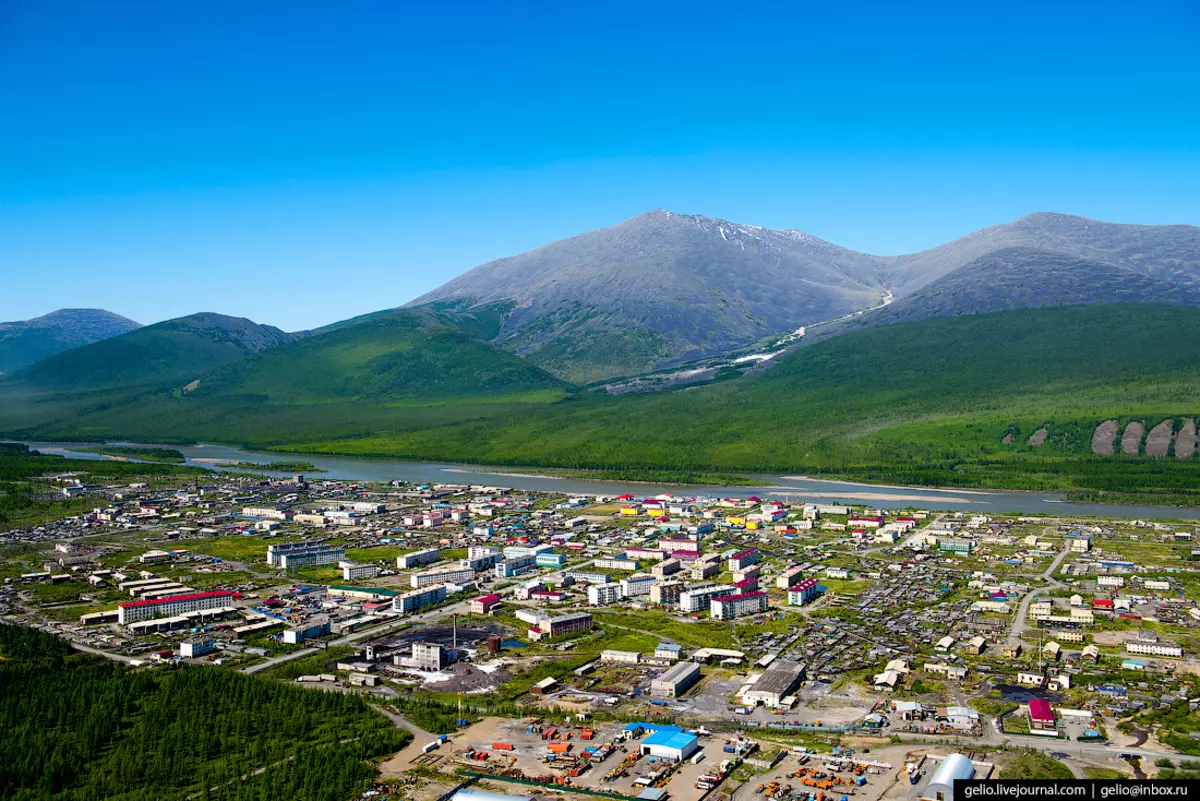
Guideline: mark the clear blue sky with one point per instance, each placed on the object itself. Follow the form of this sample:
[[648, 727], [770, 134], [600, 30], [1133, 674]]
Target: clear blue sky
[[301, 162]]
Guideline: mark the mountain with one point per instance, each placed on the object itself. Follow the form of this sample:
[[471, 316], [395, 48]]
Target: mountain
[[946, 401], [174, 351], [389, 357], [661, 289], [1044, 260], [655, 290], [27, 341], [386, 371]]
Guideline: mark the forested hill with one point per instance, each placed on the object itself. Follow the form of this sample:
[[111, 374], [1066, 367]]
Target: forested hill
[[77, 727]]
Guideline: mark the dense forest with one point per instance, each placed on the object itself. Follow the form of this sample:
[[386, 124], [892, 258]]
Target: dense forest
[[77, 727]]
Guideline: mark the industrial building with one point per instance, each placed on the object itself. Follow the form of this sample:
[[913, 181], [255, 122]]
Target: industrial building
[[135, 611], [941, 785], [315, 627], [418, 558], [427, 656], [361, 593], [728, 607], [676, 681], [410, 602], [775, 684], [665, 742]]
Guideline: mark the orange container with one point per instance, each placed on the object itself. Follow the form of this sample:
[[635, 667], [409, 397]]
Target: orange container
[[502, 747]]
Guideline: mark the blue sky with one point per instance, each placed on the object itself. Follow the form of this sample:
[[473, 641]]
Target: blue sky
[[302, 162]]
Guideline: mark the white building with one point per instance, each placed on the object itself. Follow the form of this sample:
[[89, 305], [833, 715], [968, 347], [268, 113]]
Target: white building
[[604, 594]]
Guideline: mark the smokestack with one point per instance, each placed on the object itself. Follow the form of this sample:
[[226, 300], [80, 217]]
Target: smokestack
[[455, 618]]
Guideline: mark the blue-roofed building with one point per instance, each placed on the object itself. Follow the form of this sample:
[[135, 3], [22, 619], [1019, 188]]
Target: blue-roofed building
[[665, 742]]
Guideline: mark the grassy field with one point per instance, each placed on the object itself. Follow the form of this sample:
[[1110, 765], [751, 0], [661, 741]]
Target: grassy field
[[925, 403]]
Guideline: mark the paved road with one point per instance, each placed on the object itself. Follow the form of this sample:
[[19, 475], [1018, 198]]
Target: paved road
[[128, 660], [1020, 622]]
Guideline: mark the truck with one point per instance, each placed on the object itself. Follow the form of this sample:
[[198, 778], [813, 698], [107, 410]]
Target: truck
[[430, 746]]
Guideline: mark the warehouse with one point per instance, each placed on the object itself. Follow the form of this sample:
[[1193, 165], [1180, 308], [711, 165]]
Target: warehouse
[[665, 742], [774, 685], [941, 786], [676, 681]]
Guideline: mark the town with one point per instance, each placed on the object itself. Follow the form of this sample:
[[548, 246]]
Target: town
[[674, 646]]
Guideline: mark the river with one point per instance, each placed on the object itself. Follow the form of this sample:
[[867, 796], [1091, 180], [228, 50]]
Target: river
[[786, 488]]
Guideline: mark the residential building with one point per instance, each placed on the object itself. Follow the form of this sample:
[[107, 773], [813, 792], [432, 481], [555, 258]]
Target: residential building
[[666, 568], [743, 559], [804, 593], [516, 565], [704, 569], [1153, 648], [699, 599], [604, 594], [276, 550], [266, 512], [613, 563], [484, 605], [669, 651], [172, 606], [637, 585], [666, 592], [789, 578], [319, 555], [418, 599], [955, 546], [550, 627], [354, 571], [417, 558], [441, 575], [731, 606]]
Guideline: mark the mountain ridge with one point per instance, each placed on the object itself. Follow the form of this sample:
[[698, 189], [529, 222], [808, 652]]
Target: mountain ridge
[[661, 288], [24, 342]]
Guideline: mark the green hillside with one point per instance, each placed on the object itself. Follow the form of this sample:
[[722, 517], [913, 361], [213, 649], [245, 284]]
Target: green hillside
[[928, 402], [175, 350], [388, 372]]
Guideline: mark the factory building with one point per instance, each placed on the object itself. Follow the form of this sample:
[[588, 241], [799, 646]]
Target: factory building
[[173, 606], [728, 607], [665, 742], [777, 683], [418, 558], [941, 785], [427, 656], [315, 627], [410, 602], [676, 681]]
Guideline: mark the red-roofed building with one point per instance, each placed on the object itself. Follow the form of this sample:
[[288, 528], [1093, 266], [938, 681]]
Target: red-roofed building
[[484, 604], [172, 606], [725, 607], [1102, 603], [740, 561], [1041, 716]]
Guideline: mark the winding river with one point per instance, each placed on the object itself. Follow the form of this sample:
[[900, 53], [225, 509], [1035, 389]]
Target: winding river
[[793, 488]]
